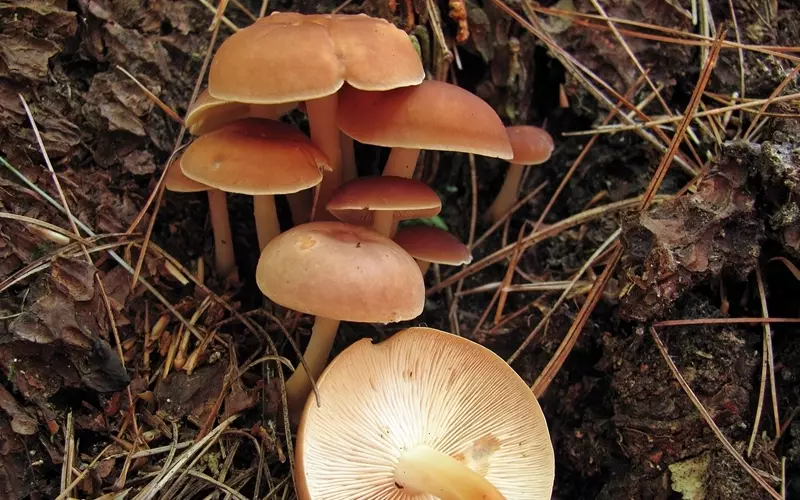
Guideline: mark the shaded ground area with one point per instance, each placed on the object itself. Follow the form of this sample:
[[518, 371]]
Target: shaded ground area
[[621, 424]]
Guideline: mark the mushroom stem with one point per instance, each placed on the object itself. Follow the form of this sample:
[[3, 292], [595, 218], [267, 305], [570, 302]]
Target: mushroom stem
[[383, 221], [402, 162], [267, 225], [325, 134], [424, 265], [423, 470], [508, 194], [298, 387], [224, 259], [300, 205], [349, 168]]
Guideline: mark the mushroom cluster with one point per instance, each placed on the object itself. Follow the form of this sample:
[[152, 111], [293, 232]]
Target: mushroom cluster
[[346, 258]]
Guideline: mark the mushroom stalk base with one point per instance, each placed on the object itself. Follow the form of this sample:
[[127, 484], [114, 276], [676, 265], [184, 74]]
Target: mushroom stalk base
[[401, 163], [224, 259], [298, 387], [423, 469], [508, 194], [325, 134], [267, 225]]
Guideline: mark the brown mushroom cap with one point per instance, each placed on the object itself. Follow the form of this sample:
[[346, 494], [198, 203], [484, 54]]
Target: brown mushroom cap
[[255, 157], [421, 387], [340, 271], [433, 115], [294, 57], [356, 201], [532, 145], [177, 181], [208, 113], [431, 244]]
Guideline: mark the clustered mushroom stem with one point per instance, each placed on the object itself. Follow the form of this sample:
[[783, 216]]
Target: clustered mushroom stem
[[267, 225], [383, 222], [298, 386], [300, 205], [349, 168], [402, 162], [325, 134], [423, 469], [224, 259], [508, 194], [424, 265]]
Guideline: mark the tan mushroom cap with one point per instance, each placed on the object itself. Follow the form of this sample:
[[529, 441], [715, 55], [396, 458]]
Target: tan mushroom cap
[[532, 145], [340, 271], [431, 244], [208, 113], [255, 157], [177, 181], [294, 57], [421, 387], [356, 201], [433, 115]]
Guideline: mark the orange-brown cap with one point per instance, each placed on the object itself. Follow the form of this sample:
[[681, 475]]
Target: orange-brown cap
[[177, 181], [208, 113], [256, 157], [433, 115], [340, 271], [356, 201], [431, 244], [421, 387], [294, 57], [532, 145]]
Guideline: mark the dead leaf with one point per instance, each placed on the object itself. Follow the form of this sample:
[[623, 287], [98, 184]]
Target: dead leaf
[[22, 422]]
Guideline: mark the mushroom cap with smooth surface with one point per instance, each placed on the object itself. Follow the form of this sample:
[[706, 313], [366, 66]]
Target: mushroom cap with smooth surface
[[294, 57], [532, 145], [255, 157], [421, 387], [208, 113], [433, 115], [343, 272], [177, 181], [356, 201], [431, 244]]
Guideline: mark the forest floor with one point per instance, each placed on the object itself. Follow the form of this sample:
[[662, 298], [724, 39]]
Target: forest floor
[[651, 386]]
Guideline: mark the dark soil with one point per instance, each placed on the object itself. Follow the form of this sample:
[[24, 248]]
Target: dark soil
[[621, 425]]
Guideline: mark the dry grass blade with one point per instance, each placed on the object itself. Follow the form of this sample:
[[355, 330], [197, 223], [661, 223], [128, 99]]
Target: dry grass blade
[[589, 263], [710, 421], [161, 104], [541, 235], [69, 456], [550, 371], [786, 81], [688, 116], [723, 321], [768, 354]]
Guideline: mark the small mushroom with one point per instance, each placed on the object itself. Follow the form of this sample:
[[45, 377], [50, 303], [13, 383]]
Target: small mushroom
[[424, 414], [337, 272], [432, 245], [288, 57], [224, 259], [532, 146], [256, 157], [383, 201]]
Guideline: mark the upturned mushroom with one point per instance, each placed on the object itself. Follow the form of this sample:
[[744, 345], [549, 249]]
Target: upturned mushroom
[[424, 414], [288, 57], [256, 157], [337, 272], [532, 146], [208, 113], [432, 245], [224, 259], [368, 200]]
